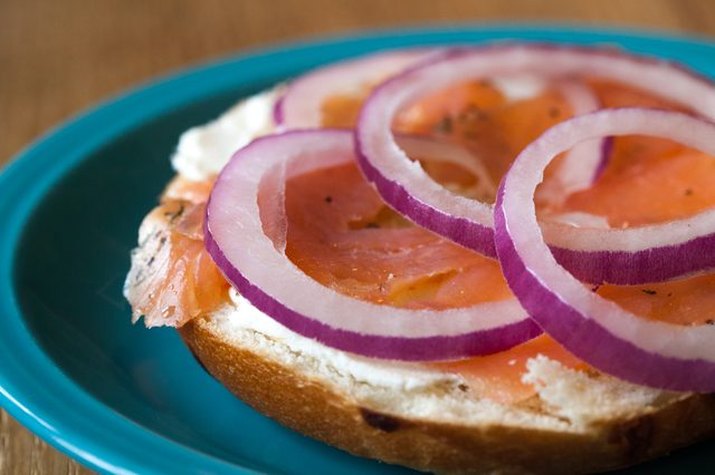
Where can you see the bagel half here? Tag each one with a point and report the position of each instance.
(409, 413)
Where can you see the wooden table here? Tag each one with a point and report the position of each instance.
(59, 57)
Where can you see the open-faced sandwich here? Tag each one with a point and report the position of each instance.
(486, 259)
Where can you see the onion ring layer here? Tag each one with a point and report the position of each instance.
(597, 330)
(258, 268)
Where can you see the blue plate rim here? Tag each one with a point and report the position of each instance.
(129, 447)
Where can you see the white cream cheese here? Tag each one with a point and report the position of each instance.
(394, 374)
(519, 87)
(203, 151)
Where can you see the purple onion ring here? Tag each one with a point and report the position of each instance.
(256, 265)
(599, 331)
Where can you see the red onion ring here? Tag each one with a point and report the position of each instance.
(596, 330)
(299, 106)
(585, 162)
(435, 150)
(252, 262)
(411, 192)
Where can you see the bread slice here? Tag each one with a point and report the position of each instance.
(577, 422)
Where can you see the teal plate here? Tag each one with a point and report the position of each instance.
(119, 398)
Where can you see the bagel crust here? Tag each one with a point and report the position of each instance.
(319, 408)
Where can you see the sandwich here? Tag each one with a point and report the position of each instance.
(352, 254)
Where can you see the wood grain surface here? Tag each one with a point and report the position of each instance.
(59, 57)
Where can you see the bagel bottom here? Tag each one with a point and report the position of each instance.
(274, 381)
